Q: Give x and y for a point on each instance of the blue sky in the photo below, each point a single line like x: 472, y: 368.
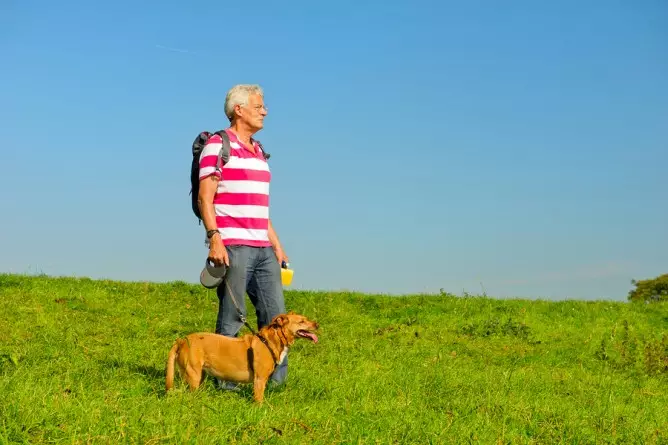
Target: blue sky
x: 520, y: 149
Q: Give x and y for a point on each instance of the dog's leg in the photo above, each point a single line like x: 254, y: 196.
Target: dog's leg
x: 193, y: 376
x: 173, y: 353
x: 259, y: 384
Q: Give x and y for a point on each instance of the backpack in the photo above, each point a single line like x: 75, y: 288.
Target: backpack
x: 223, y: 156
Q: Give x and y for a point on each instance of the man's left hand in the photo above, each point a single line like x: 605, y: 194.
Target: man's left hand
x: 281, y: 256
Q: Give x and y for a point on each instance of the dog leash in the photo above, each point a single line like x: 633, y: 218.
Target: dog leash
x: 241, y: 315
x: 243, y: 319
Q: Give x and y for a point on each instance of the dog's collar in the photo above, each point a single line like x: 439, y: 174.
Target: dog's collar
x: 266, y: 343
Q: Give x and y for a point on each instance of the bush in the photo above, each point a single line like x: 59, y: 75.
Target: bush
x: 633, y: 352
x: 650, y: 290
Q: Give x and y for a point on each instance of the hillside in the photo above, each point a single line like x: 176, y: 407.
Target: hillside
x: 83, y: 361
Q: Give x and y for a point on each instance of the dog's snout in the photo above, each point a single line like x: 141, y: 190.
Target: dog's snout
x: 317, y: 325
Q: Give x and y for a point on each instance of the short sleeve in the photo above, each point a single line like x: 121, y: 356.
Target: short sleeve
x: 208, y: 159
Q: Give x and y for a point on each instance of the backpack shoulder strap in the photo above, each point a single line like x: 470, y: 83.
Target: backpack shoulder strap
x: 225, y: 151
x: 224, y: 154
x: 264, y: 153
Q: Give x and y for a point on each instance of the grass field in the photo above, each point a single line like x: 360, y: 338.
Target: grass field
x: 82, y: 361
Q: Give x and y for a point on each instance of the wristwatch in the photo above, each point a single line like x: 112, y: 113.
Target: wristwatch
x: 210, y: 233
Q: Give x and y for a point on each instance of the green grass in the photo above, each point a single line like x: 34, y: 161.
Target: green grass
x: 82, y: 361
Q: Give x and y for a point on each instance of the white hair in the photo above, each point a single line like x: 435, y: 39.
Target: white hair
x: 238, y: 95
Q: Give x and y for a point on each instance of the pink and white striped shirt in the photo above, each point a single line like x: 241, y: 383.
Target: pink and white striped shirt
x: 241, y: 202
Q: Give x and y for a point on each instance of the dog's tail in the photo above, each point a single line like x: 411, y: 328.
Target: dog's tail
x: 169, y: 378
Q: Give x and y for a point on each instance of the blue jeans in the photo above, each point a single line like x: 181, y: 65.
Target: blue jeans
x: 252, y: 270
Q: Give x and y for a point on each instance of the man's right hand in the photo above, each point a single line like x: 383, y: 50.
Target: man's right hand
x: 218, y: 252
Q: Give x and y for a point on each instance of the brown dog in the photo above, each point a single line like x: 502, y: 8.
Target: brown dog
x: 246, y: 359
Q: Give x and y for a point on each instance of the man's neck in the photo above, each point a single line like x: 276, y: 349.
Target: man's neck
x: 244, y: 134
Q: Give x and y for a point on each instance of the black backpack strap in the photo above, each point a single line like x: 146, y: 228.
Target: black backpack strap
x: 266, y: 155
x: 224, y: 154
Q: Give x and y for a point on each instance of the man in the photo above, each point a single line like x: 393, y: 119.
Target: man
x: 234, y: 204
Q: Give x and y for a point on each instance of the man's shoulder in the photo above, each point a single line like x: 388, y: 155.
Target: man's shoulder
x: 212, y: 146
x: 214, y: 139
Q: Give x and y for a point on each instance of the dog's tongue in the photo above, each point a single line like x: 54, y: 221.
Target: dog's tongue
x: 313, y: 337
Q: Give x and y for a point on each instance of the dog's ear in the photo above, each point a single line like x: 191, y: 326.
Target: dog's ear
x: 282, y: 320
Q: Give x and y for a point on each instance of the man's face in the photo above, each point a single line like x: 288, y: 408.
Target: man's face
x: 253, y: 113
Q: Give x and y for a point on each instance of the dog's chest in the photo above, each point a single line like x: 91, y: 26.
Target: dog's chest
x: 283, y: 354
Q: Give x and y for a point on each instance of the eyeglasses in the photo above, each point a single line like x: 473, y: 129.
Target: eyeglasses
x: 256, y: 107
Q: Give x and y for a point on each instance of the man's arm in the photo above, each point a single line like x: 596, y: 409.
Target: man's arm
x: 209, y: 176
x: 276, y: 244
x: 207, y: 190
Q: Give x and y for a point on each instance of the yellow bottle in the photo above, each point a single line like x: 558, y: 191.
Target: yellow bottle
x: 286, y: 274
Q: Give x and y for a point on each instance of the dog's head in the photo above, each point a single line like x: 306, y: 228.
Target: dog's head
x: 296, y: 326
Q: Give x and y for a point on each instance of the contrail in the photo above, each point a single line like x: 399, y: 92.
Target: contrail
x: 176, y: 50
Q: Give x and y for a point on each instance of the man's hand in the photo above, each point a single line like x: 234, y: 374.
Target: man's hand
x: 218, y: 252
x: 276, y: 244
x: 281, y: 256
